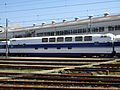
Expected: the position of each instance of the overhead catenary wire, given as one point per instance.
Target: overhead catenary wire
(65, 12)
(35, 17)
(59, 6)
(42, 1)
(49, 19)
(18, 2)
(61, 18)
(27, 3)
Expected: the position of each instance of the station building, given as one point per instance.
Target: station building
(105, 24)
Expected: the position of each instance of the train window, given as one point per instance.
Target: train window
(104, 36)
(0, 46)
(68, 39)
(78, 38)
(45, 48)
(36, 48)
(60, 39)
(96, 43)
(88, 38)
(13, 40)
(51, 39)
(24, 44)
(69, 47)
(3, 46)
(11, 46)
(58, 47)
(44, 39)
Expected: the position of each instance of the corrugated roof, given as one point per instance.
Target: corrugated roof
(68, 23)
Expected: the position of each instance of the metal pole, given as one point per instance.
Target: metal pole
(90, 18)
(90, 26)
(6, 37)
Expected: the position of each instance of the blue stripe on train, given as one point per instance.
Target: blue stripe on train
(117, 43)
(63, 45)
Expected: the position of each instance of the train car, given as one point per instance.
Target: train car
(117, 45)
(65, 46)
(2, 48)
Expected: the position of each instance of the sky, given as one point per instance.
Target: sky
(29, 12)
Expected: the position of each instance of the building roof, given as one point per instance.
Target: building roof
(68, 23)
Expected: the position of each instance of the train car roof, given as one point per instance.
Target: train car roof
(109, 34)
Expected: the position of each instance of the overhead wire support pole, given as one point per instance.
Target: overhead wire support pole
(6, 34)
(90, 18)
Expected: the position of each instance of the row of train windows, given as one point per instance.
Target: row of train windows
(2, 46)
(56, 48)
(67, 39)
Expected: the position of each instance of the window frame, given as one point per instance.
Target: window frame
(87, 38)
(53, 39)
(45, 40)
(78, 38)
(60, 39)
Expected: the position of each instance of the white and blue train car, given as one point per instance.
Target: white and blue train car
(117, 45)
(2, 47)
(66, 46)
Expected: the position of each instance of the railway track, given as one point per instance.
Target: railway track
(61, 81)
(59, 73)
(64, 80)
(100, 71)
(56, 59)
(33, 87)
(45, 63)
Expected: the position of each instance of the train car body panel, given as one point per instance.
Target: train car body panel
(71, 45)
(117, 44)
(2, 47)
